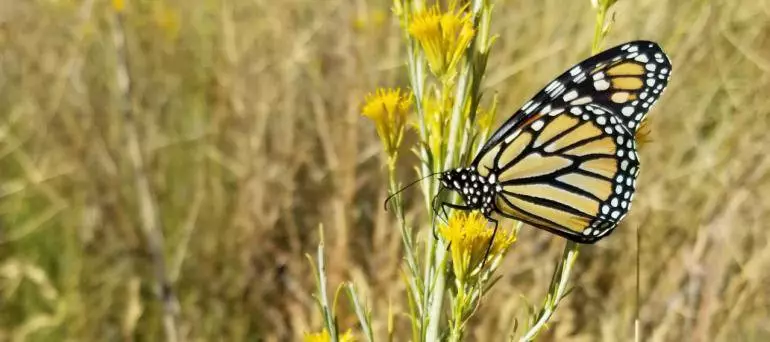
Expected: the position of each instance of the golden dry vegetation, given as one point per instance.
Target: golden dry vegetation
(234, 128)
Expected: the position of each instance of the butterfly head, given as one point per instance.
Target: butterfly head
(478, 192)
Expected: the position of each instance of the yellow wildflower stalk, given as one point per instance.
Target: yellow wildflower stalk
(469, 237)
(324, 336)
(443, 36)
(388, 108)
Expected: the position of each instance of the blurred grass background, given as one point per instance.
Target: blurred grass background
(247, 117)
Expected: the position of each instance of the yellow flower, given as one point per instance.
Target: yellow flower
(118, 5)
(373, 19)
(443, 37)
(388, 108)
(468, 236)
(167, 19)
(324, 336)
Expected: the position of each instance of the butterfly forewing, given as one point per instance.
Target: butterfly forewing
(625, 80)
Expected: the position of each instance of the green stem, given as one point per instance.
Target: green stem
(458, 310)
(599, 32)
(556, 291)
(329, 320)
(406, 233)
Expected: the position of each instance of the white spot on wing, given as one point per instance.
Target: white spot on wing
(556, 111)
(650, 82)
(601, 120)
(537, 125)
(601, 85)
(571, 95)
(582, 100)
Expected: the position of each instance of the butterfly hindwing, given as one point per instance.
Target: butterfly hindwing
(570, 171)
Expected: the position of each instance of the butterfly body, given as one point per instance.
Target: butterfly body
(477, 191)
(566, 162)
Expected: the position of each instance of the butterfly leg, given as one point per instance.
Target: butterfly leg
(491, 241)
(445, 205)
(434, 209)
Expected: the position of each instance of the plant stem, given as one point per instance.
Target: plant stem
(556, 291)
(148, 208)
(406, 234)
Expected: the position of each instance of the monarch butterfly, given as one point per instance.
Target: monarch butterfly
(566, 162)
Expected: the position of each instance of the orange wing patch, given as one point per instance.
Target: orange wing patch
(533, 165)
(585, 131)
(487, 162)
(627, 83)
(539, 190)
(606, 167)
(506, 209)
(600, 188)
(602, 146)
(626, 68)
(560, 124)
(514, 149)
(559, 217)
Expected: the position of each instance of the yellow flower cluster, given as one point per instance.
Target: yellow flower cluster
(443, 36)
(167, 19)
(118, 5)
(389, 108)
(468, 236)
(324, 336)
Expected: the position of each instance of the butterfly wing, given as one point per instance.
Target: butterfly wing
(627, 80)
(571, 171)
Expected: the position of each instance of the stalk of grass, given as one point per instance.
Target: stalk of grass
(148, 208)
(364, 317)
(321, 297)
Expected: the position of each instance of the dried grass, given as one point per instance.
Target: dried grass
(247, 116)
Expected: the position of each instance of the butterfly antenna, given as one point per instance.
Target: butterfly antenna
(385, 204)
